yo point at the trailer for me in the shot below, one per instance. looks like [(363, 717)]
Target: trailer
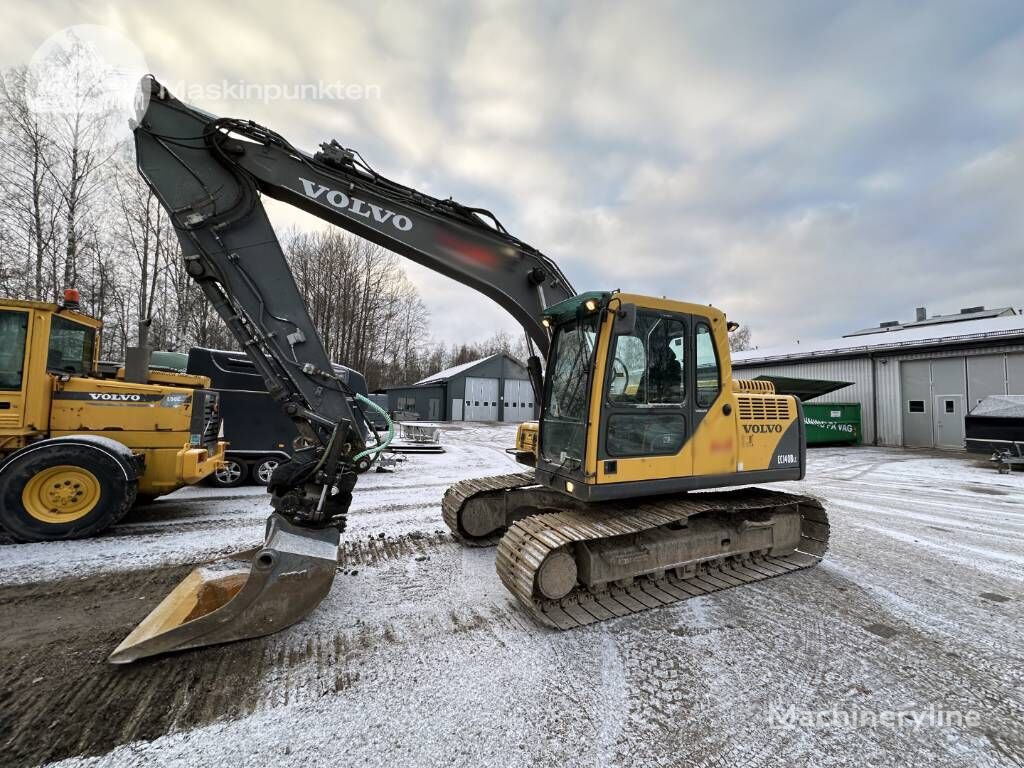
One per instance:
[(996, 426), (259, 434)]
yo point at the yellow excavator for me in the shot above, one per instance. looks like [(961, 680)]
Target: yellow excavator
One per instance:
[(640, 416), (78, 450)]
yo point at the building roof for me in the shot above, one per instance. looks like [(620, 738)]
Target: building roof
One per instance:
[(969, 313), (804, 389), (455, 370), (1008, 326)]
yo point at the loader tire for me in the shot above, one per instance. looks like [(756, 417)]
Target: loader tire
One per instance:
[(57, 492)]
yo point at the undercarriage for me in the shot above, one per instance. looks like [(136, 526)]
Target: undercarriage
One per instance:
[(570, 563)]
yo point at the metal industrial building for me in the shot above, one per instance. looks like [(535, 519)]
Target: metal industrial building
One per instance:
[(495, 388), (915, 381)]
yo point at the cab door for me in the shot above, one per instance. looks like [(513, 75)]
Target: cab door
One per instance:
[(647, 405), (715, 442), (13, 370)]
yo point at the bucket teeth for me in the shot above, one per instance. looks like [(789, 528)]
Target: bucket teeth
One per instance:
[(245, 596)]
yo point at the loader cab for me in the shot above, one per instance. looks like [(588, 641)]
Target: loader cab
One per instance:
[(39, 340), (638, 397)]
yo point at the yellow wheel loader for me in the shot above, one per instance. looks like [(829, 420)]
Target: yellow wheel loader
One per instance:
[(640, 416), (76, 450)]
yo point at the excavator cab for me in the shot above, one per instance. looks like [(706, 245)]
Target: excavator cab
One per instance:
[(639, 401)]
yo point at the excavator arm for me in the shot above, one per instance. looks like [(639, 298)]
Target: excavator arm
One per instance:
[(209, 173)]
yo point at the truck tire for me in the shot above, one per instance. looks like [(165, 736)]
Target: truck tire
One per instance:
[(263, 469), (231, 474), (58, 490)]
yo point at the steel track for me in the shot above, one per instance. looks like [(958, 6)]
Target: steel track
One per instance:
[(528, 542)]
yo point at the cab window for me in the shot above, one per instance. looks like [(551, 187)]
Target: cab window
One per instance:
[(13, 330), (71, 347), (647, 367), (646, 388), (564, 421), (708, 376)]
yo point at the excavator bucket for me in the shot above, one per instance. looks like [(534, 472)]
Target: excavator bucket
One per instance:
[(247, 595)]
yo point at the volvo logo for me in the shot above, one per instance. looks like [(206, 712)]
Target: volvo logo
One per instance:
[(110, 396), (762, 428), (354, 205)]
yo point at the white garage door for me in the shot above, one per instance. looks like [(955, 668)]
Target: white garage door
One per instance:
[(481, 399), (1015, 374), (518, 400)]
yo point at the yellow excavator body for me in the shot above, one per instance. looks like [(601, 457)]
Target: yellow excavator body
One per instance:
[(639, 412)]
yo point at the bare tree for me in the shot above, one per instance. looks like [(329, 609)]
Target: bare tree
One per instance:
[(28, 197), (79, 130), (739, 340), (146, 235), (75, 213)]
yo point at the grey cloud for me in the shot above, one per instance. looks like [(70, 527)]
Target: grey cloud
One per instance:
[(811, 168)]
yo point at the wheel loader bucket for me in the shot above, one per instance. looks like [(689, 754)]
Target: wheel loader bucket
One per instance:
[(247, 595)]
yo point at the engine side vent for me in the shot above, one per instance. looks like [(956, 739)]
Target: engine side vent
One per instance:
[(754, 408), (753, 387)]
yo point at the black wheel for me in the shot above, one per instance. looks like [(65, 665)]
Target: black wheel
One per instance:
[(231, 474), (364, 464), (263, 469), (64, 491)]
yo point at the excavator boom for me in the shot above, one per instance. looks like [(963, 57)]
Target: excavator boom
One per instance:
[(210, 173)]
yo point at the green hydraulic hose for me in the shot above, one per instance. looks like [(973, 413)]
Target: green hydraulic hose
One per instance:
[(391, 429)]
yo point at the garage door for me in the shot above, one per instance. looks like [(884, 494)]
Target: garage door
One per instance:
[(1015, 374), (934, 401), (518, 400), (481, 399), (986, 375), (915, 386)]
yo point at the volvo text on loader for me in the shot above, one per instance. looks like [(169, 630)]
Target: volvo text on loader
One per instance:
[(78, 450), (639, 408)]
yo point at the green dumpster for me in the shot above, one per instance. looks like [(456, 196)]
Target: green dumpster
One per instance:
[(832, 423)]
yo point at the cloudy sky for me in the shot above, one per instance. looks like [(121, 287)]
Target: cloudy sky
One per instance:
[(810, 168)]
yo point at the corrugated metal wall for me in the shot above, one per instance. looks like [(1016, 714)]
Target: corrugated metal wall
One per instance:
[(890, 412), (890, 417), (858, 371), (855, 370)]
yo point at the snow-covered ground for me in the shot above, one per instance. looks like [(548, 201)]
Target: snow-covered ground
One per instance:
[(419, 657)]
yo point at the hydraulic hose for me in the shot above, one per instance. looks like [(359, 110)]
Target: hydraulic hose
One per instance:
[(387, 439)]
